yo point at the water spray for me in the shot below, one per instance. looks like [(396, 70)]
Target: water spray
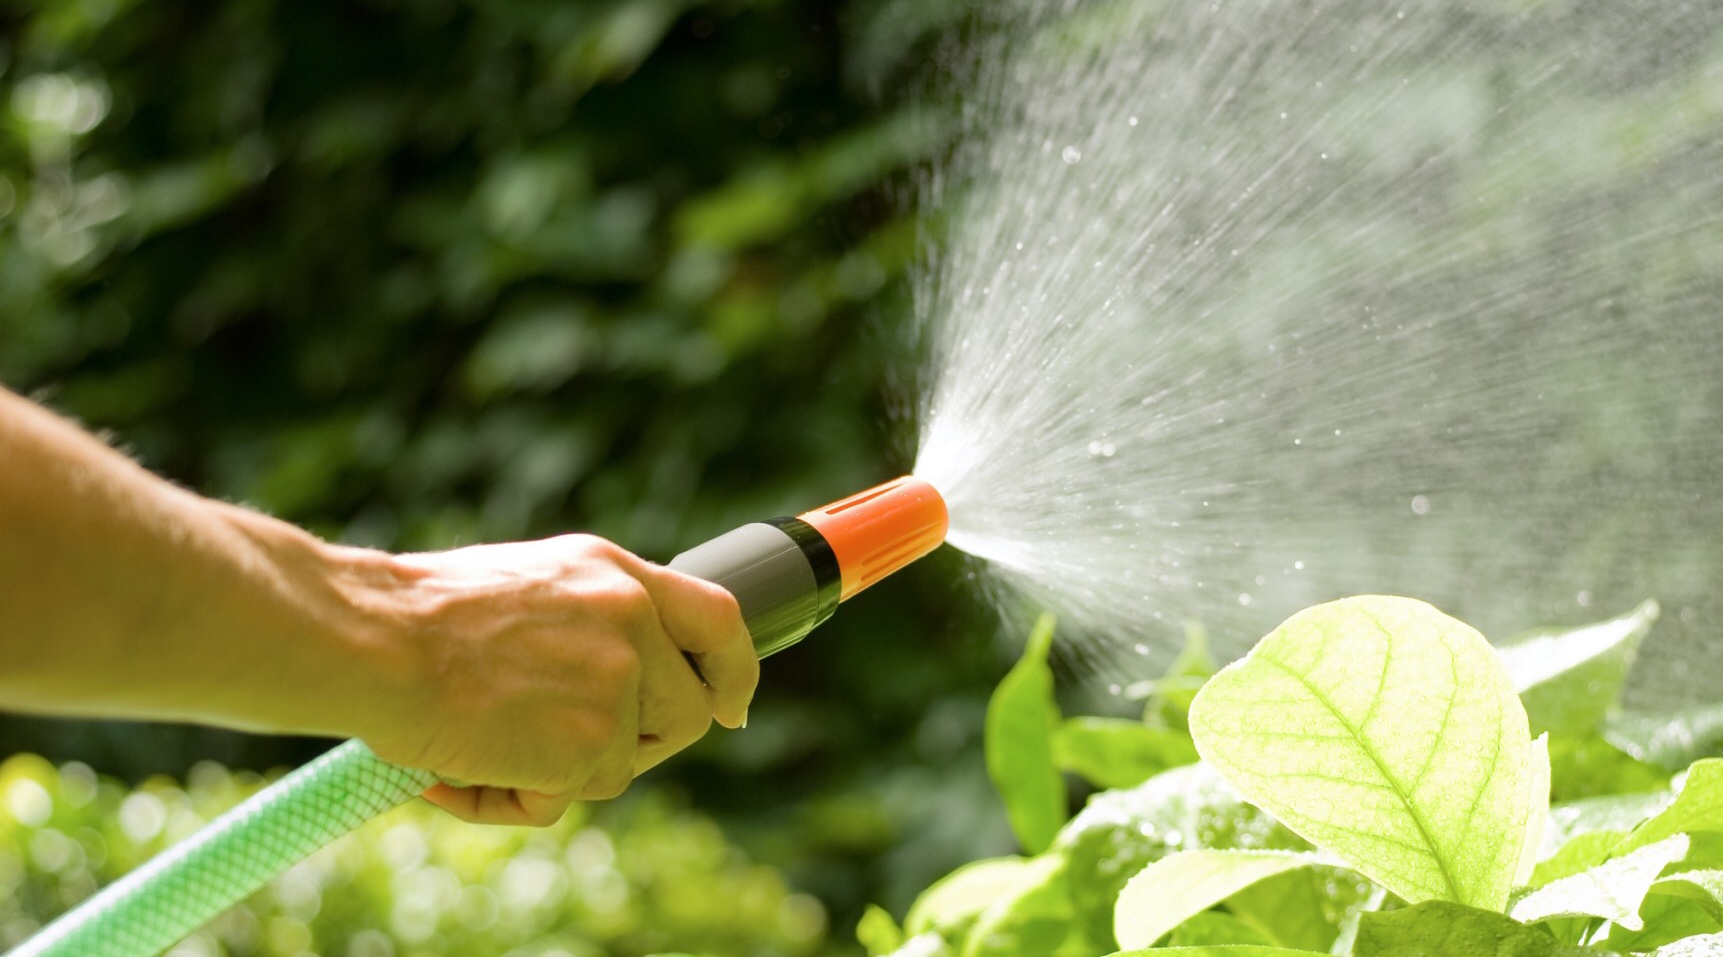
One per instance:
[(788, 576)]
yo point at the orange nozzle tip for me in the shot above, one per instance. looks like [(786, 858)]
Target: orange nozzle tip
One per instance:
[(877, 532)]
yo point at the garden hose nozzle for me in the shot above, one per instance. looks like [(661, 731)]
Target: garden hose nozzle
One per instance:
[(789, 574)]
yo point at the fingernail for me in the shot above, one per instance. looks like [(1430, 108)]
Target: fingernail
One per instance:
[(744, 723)]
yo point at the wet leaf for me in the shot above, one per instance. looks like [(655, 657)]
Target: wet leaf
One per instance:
[(1569, 680), (1447, 929), (1121, 832), (1386, 732), (1612, 891), (1173, 889)]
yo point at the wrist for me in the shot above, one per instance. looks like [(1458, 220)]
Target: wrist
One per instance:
[(333, 651)]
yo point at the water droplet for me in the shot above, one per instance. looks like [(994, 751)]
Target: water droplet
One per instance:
[(1140, 648), (1133, 121), (1420, 505), (1298, 566), (1584, 599), (1072, 155), (1245, 599)]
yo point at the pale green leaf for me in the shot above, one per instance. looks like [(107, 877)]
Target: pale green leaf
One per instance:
[(1172, 889), (1386, 732), (877, 932), (1021, 717), (1115, 753), (1667, 919), (1705, 945), (1170, 696), (1537, 808), (1703, 887), (1311, 908), (1035, 917), (1216, 927), (953, 903), (1121, 832), (1446, 929), (1616, 812), (1569, 680), (1216, 950), (1672, 740), (1577, 855), (1698, 806), (1612, 890)]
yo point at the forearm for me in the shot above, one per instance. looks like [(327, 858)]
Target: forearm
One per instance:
[(121, 595)]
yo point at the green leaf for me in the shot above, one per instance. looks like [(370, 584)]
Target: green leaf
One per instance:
[(1569, 680), (877, 932), (1216, 927), (954, 902), (1671, 740), (1582, 852), (1386, 732), (1612, 891), (1115, 753), (1035, 917), (1021, 717), (1592, 767), (1667, 919), (1217, 950), (1707, 945), (1620, 812), (1168, 892), (1702, 887), (1121, 832), (1446, 929), (1312, 907), (1698, 806), (1170, 697), (1537, 809)]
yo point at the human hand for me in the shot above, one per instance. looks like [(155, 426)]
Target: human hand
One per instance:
[(554, 671)]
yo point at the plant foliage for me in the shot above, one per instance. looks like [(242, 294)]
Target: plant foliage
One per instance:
[(1368, 785)]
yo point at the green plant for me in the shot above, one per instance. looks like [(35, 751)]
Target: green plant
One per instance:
[(629, 878), (1369, 784)]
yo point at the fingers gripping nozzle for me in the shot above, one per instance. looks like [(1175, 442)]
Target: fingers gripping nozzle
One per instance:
[(789, 574)]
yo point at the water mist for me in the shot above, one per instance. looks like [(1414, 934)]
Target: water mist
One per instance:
[(1242, 306)]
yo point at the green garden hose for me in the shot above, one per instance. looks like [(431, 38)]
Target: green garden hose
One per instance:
[(788, 575), (153, 907)]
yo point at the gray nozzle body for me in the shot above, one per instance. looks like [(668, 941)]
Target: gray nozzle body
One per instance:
[(782, 572)]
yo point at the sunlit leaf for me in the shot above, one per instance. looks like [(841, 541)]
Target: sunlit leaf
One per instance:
[(1569, 680), (877, 932), (1698, 806), (1612, 891), (1021, 718), (1703, 887), (1446, 929), (1173, 889), (1386, 732), (1121, 832), (953, 902)]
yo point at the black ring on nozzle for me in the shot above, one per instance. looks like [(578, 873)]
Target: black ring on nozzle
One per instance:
[(828, 577)]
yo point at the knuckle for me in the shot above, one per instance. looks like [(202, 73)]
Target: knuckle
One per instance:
[(627, 602), (616, 665), (545, 815), (603, 787)]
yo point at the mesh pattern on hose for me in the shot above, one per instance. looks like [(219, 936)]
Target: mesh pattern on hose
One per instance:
[(153, 907)]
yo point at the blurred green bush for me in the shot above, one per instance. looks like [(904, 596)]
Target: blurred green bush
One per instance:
[(419, 274), (634, 877)]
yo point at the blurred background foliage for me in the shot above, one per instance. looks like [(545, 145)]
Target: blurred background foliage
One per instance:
[(423, 273)]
